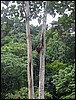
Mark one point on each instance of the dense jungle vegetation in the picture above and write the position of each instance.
(60, 54)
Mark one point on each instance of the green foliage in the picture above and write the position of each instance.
(13, 72)
(55, 66)
(65, 23)
(69, 40)
(22, 93)
(60, 7)
(11, 37)
(55, 49)
(13, 63)
(70, 96)
(65, 82)
(47, 95)
(5, 40)
(17, 49)
(60, 80)
(60, 48)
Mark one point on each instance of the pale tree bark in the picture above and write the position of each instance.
(42, 56)
(29, 51)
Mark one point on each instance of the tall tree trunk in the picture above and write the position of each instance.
(42, 56)
(29, 50)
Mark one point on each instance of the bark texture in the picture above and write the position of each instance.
(29, 51)
(42, 56)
